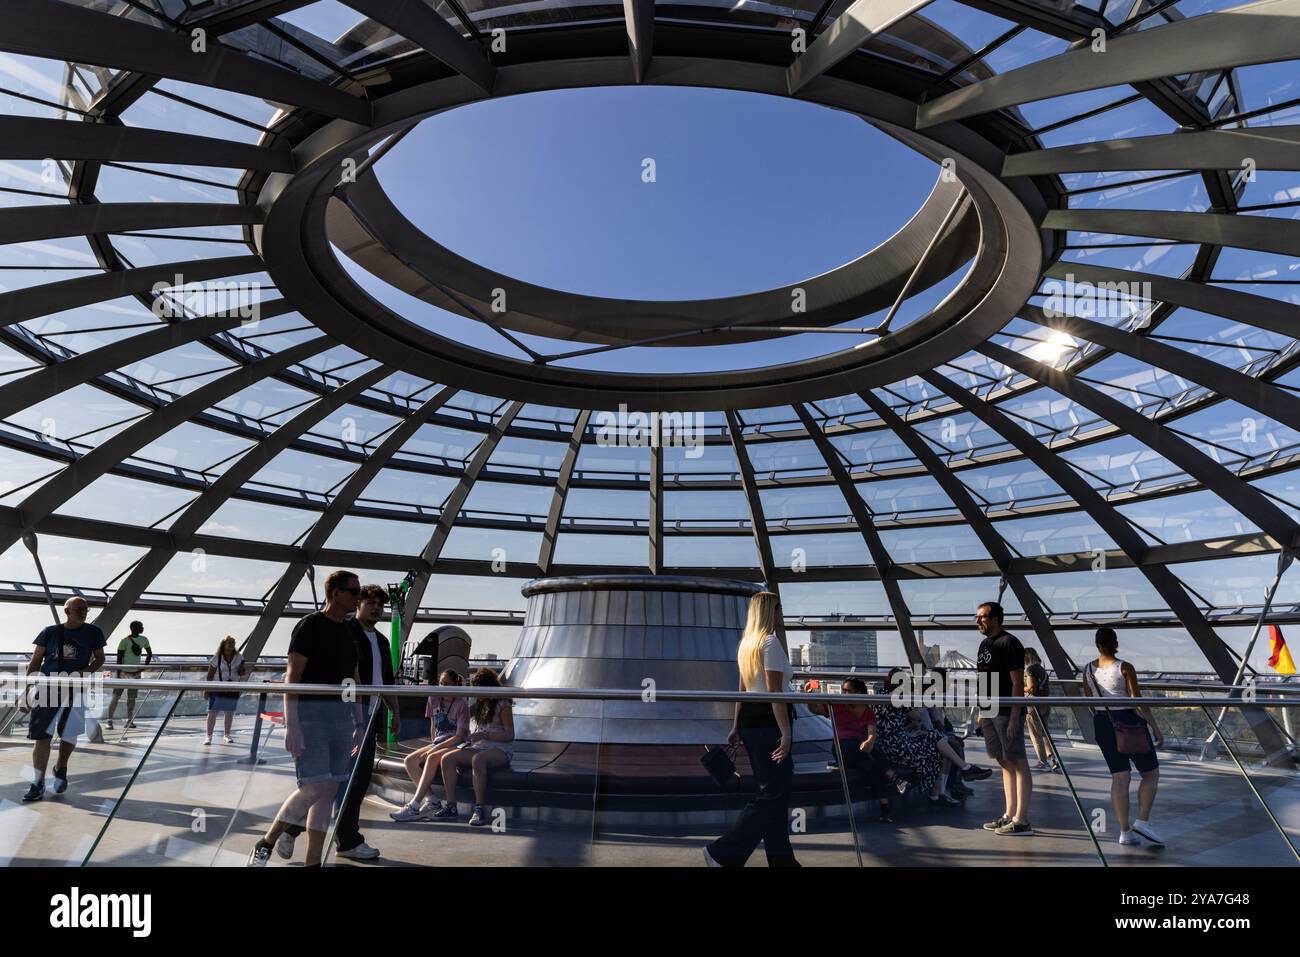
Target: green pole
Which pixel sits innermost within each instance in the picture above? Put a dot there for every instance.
(397, 601)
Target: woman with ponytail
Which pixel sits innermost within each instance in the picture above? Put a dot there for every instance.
(766, 730)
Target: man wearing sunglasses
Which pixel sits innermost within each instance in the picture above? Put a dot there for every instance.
(320, 731)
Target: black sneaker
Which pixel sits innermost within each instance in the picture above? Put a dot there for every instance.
(35, 792)
(976, 773)
(885, 819)
(960, 790)
(60, 780)
(1015, 829)
(260, 855)
(944, 800)
(997, 823)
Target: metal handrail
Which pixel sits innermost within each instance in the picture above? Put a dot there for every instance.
(1271, 687)
(597, 694)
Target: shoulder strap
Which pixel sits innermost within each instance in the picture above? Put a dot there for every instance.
(1091, 671)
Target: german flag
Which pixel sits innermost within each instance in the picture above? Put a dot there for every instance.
(1280, 659)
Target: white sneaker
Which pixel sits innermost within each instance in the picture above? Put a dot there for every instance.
(428, 808)
(1147, 831)
(229, 740)
(408, 812)
(261, 853)
(479, 818)
(207, 739)
(1128, 837)
(362, 852)
(284, 846)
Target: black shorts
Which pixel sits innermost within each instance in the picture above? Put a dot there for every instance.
(67, 724)
(327, 748)
(1101, 725)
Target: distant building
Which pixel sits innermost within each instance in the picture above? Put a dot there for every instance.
(930, 654)
(841, 648)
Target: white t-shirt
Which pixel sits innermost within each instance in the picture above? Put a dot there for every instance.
(774, 659)
(227, 670)
(376, 668)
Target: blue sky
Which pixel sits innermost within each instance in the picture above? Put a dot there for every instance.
(749, 192)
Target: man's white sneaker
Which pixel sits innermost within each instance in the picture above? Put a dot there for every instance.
(407, 812)
(260, 855)
(284, 846)
(362, 852)
(228, 739)
(207, 739)
(1128, 837)
(428, 808)
(479, 818)
(1147, 831)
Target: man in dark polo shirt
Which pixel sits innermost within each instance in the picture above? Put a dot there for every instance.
(320, 731)
(1002, 656)
(71, 648)
(375, 667)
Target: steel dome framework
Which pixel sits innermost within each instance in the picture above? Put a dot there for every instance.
(993, 440)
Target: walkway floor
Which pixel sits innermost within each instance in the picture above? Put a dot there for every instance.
(196, 805)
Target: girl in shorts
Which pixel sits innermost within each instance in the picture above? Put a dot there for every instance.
(492, 733)
(1110, 677)
(448, 730)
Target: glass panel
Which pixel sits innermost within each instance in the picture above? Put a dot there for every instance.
(1205, 811)
(1274, 784)
(60, 829)
(657, 804)
(207, 805)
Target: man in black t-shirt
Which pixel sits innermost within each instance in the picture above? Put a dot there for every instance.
(320, 731)
(1002, 656)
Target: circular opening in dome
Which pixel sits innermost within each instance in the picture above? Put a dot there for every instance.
(655, 193)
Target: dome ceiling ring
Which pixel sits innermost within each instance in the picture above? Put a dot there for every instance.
(368, 227)
(298, 256)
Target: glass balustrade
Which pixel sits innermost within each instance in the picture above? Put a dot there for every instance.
(207, 804)
(157, 794)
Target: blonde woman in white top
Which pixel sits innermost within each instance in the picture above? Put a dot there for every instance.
(766, 730)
